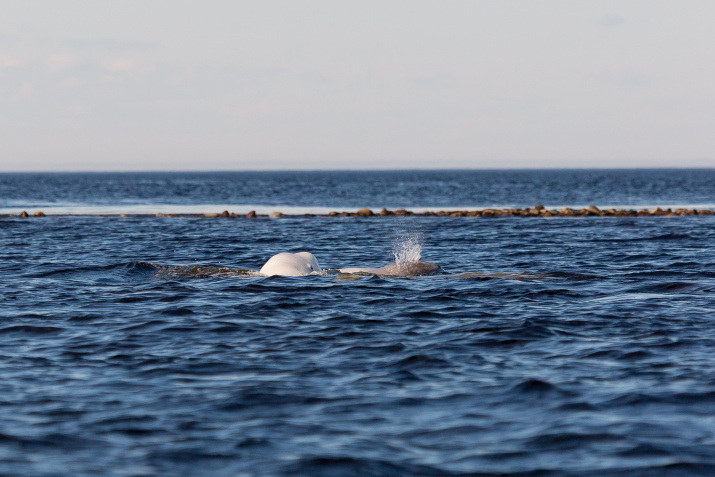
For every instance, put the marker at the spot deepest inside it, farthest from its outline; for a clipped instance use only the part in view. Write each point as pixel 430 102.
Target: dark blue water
pixel 545 346
pixel 376 189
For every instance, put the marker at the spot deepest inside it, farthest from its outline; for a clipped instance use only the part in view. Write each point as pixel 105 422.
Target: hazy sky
pixel 226 84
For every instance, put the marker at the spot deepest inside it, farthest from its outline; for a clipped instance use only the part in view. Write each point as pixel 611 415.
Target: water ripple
pixel 127 351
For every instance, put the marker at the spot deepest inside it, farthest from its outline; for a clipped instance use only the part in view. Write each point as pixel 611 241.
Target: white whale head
pixel 291 265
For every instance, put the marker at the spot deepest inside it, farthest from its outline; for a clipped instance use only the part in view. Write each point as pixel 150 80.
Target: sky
pixel 101 85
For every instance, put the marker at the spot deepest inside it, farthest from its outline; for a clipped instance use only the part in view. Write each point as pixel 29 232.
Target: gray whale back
pixel 409 269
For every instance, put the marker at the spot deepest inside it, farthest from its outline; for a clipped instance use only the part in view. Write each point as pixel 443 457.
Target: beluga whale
pixel 407 252
pixel 304 263
pixel 291 265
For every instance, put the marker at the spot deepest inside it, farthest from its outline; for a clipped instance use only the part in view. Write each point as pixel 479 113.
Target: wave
pixel 202 271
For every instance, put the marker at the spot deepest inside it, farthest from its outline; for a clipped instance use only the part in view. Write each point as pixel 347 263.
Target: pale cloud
pixel 27 88
pixel 71 82
pixel 612 21
pixel 8 61
pixel 315 78
pixel 62 62
pixel 627 80
pixel 121 66
pixel 79 109
pixel 635 81
pixel 108 44
pixel 433 81
pixel 263 108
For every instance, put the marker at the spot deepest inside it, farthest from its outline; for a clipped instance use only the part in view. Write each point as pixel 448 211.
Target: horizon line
pixel 416 169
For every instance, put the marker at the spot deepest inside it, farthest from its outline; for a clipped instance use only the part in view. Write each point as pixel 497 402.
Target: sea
pixel 543 346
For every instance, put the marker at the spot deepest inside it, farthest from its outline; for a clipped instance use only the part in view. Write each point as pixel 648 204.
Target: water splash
pixel 407 248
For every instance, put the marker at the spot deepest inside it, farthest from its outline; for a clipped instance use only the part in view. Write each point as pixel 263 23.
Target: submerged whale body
pixel 406 269
pixel 291 265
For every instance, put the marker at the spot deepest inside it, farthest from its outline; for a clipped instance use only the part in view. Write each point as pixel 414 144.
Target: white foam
pixel 407 248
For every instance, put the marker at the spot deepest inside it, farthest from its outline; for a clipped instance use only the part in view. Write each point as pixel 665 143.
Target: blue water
pixel 544 346
pixel 243 191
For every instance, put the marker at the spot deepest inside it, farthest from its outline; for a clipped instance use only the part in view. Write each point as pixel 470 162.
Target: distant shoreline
pixel 536 211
